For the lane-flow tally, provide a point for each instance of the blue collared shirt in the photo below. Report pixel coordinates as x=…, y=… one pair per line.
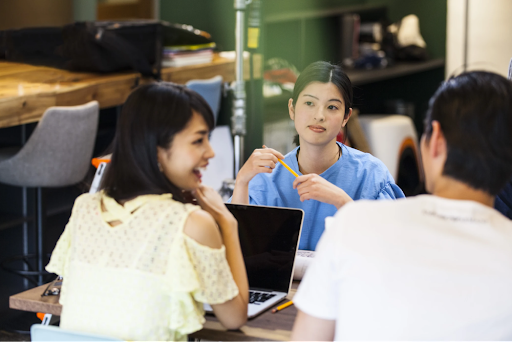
x=359, y=174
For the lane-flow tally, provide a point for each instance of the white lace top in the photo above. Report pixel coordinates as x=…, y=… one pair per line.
x=141, y=280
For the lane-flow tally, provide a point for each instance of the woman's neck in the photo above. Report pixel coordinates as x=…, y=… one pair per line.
x=317, y=159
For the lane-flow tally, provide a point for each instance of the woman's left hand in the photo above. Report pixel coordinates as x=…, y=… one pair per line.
x=312, y=186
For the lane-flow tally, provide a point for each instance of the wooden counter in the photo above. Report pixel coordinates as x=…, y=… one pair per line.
x=26, y=91
x=31, y=300
x=267, y=326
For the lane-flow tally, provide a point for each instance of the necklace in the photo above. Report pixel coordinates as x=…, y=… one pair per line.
x=298, y=151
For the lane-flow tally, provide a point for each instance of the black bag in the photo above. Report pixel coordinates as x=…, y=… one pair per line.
x=102, y=46
x=111, y=46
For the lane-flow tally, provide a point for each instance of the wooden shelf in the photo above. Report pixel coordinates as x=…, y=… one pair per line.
x=361, y=77
x=26, y=91
x=320, y=13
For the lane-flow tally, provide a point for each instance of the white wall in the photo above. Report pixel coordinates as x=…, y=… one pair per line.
x=489, y=36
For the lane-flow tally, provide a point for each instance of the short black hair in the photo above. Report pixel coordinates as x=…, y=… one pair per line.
x=151, y=116
x=474, y=110
x=324, y=72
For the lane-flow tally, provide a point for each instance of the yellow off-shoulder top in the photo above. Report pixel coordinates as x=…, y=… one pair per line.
x=143, y=279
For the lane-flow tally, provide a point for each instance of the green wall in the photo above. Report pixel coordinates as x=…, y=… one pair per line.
x=84, y=10
x=218, y=16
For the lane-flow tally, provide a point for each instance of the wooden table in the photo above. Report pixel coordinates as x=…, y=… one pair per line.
x=267, y=326
x=26, y=91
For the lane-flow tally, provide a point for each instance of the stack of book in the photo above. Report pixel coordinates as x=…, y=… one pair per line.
x=181, y=55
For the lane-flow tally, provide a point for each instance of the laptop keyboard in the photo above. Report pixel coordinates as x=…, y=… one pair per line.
x=259, y=297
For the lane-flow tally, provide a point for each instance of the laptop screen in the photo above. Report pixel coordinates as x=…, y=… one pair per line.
x=269, y=239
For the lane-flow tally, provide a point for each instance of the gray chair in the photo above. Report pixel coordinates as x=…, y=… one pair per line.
x=210, y=90
x=57, y=154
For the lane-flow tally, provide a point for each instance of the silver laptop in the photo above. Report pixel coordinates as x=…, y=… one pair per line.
x=269, y=237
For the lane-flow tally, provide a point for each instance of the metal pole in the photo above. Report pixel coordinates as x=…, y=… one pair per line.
x=466, y=38
x=238, y=118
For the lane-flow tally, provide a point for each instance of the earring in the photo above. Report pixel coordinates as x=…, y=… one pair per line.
x=160, y=167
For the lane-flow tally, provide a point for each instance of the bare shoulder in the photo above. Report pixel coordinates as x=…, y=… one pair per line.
x=201, y=227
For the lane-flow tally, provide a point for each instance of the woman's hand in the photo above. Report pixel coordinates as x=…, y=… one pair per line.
x=262, y=160
x=312, y=186
x=211, y=201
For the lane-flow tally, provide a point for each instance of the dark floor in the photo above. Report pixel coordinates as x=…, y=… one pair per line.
x=12, y=336
x=15, y=325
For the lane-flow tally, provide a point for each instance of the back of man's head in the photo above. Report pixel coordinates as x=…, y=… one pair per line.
x=474, y=110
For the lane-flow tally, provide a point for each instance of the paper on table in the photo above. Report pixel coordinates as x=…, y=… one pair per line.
x=302, y=261
x=304, y=258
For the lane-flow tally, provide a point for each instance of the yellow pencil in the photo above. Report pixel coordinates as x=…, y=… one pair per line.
x=281, y=307
x=289, y=168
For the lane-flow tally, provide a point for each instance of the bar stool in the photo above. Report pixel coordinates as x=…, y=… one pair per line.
x=57, y=154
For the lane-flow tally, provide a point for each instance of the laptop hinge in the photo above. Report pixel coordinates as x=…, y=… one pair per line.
x=260, y=289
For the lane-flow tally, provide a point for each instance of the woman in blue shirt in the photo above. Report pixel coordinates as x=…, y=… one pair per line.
x=330, y=174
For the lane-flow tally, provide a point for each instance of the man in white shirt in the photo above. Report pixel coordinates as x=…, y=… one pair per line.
x=430, y=267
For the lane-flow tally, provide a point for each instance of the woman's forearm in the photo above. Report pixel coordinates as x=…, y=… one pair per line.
x=342, y=199
x=240, y=193
x=229, y=229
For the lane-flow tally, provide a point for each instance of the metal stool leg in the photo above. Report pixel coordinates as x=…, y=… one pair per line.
x=39, y=234
x=24, y=231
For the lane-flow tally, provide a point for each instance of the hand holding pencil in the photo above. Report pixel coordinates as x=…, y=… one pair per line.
x=262, y=160
x=285, y=165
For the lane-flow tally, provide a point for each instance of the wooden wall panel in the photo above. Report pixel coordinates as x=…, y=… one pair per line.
x=34, y=13
x=142, y=9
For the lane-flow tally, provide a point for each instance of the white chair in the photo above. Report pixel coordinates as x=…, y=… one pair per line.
x=220, y=167
x=393, y=139
x=40, y=333
x=510, y=70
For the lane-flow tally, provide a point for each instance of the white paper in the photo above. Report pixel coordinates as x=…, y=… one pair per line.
x=302, y=261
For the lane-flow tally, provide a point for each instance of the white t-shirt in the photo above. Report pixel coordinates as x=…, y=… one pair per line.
x=422, y=268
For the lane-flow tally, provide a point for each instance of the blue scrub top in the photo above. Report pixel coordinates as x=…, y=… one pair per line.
x=359, y=174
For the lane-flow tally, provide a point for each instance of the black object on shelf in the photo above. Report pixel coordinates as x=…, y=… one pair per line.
x=98, y=46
